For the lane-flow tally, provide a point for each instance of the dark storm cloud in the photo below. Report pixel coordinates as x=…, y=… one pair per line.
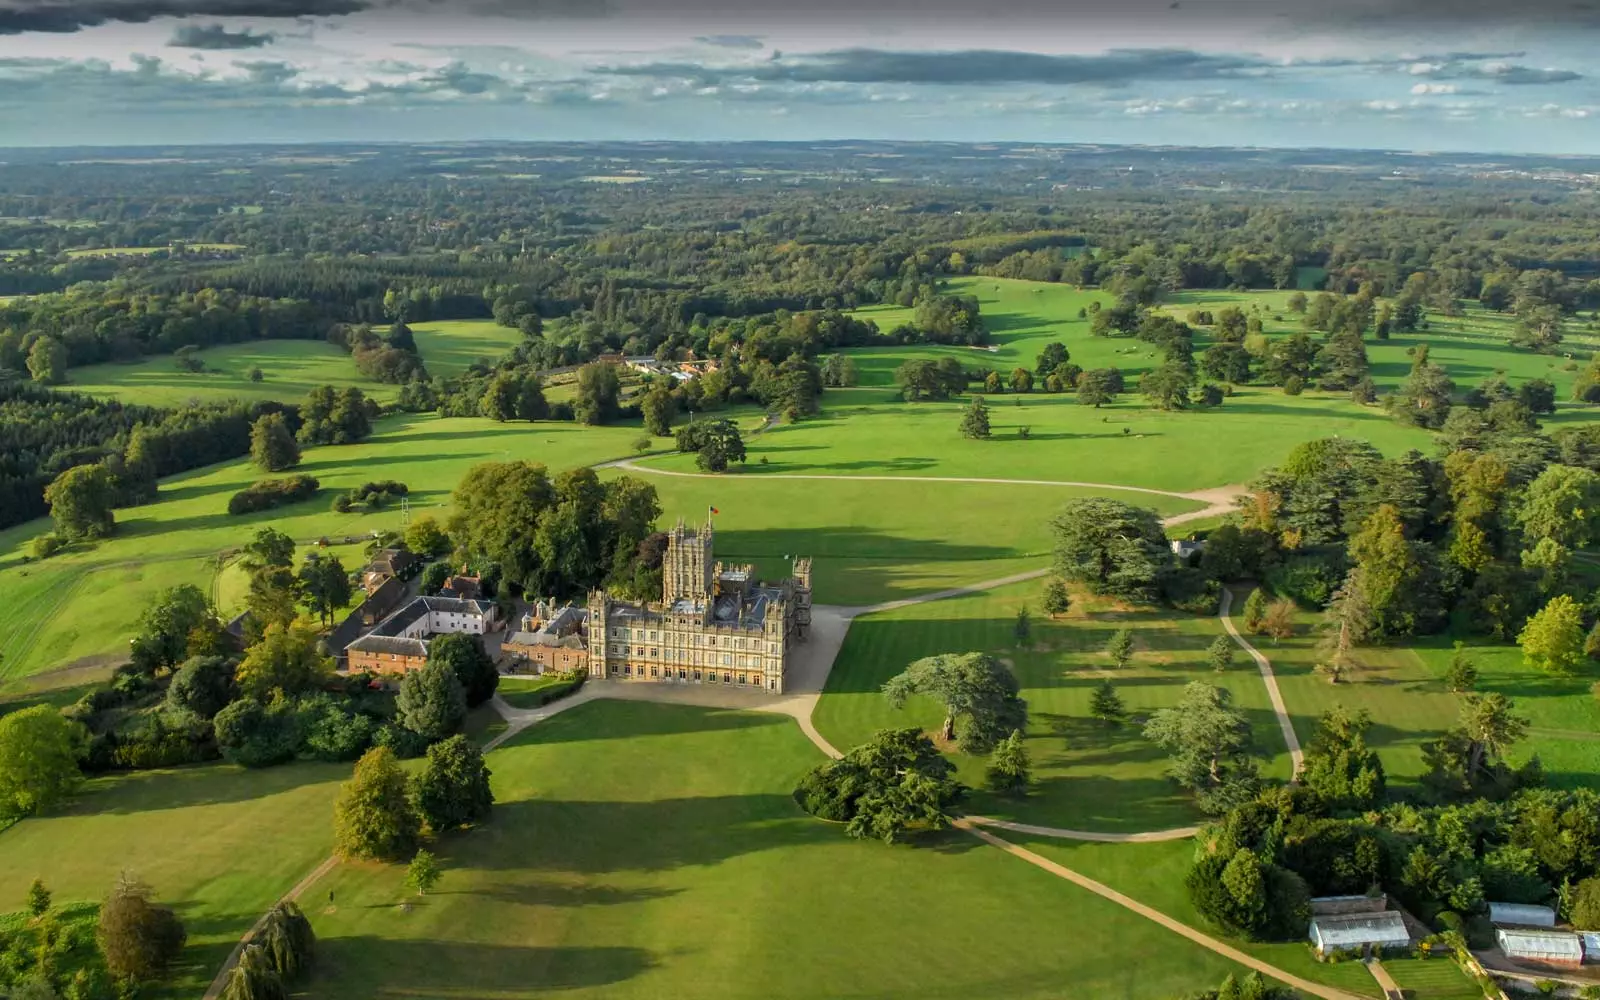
x=64, y=18
x=731, y=41
x=215, y=36
x=971, y=66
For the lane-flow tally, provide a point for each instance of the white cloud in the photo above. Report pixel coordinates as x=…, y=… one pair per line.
x=1434, y=88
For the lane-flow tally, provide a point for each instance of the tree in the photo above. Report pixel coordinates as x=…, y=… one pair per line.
x=452, y=790
x=423, y=872
x=253, y=977
x=38, y=898
x=1461, y=675
x=38, y=760
x=270, y=548
x=256, y=735
x=1255, y=611
x=1210, y=745
x=1563, y=505
x=1220, y=653
x=287, y=660
x=47, y=361
x=137, y=938
x=1586, y=905
x=1021, y=380
x=1279, y=620
x=1022, y=628
x=463, y=653
x=1394, y=581
x=717, y=444
x=975, y=421
x=167, y=625
x=373, y=818
x=1054, y=354
x=80, y=502
x=203, y=686
x=1009, y=770
x=1469, y=758
x=658, y=407
x=335, y=416
x=1552, y=640
x=432, y=702
x=1490, y=725
x=272, y=447
x=1120, y=647
x=1167, y=387
x=897, y=780
x=287, y=940
x=426, y=538
x=1099, y=386
x=1246, y=894
x=324, y=586
x=1339, y=766
x=976, y=690
x=1106, y=705
x=1056, y=600
x=599, y=385
x=1110, y=546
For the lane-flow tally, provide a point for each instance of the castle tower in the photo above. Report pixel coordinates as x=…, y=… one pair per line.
x=688, y=571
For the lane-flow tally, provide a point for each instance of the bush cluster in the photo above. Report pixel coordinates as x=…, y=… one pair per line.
x=369, y=496
x=265, y=494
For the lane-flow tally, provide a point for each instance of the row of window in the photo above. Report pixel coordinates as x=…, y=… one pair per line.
x=656, y=653
x=639, y=635
x=727, y=676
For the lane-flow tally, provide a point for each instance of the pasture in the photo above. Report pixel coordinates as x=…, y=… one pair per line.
x=448, y=347
x=642, y=850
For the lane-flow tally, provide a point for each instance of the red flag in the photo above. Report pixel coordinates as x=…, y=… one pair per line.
x=713, y=510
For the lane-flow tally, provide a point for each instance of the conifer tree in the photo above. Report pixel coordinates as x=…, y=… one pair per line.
x=975, y=422
x=1010, y=770
x=1106, y=705
x=1120, y=647
x=1056, y=599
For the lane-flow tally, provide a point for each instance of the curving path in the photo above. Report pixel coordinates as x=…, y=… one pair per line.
x=1149, y=913
x=1285, y=724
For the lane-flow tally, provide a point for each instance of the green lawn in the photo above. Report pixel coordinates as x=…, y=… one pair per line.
x=292, y=368
x=147, y=251
x=449, y=346
x=871, y=541
x=1087, y=776
x=215, y=842
x=642, y=850
x=1400, y=687
x=524, y=692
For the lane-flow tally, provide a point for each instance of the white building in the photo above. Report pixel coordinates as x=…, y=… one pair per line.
x=1521, y=915
x=1354, y=931
x=1557, y=948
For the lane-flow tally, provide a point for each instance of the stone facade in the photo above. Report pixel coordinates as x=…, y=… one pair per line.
x=715, y=623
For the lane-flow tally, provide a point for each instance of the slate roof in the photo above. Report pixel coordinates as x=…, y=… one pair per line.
x=1521, y=915
x=389, y=644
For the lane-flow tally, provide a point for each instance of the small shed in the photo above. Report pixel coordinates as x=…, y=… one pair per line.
x=1353, y=931
x=1561, y=949
x=1521, y=915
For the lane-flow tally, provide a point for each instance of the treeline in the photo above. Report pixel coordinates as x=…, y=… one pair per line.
x=44, y=432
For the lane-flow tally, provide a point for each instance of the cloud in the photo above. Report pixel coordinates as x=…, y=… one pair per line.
x=969, y=66
x=215, y=36
x=731, y=41
x=1434, y=88
x=64, y=18
x=1511, y=73
x=269, y=71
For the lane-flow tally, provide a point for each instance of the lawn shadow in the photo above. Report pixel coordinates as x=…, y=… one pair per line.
x=624, y=719
x=193, y=785
x=368, y=965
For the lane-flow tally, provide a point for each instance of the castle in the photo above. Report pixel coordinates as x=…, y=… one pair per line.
x=714, y=624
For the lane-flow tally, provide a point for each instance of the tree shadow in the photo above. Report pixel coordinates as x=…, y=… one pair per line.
x=368, y=965
x=623, y=719
x=554, y=894
x=594, y=838
x=194, y=785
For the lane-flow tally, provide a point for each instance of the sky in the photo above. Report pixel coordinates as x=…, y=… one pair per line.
x=1405, y=74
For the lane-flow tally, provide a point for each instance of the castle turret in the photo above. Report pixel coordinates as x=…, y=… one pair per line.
x=688, y=570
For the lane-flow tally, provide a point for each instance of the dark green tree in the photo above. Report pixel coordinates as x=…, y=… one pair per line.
x=464, y=654
x=1057, y=601
x=599, y=386
x=1339, y=765
x=1009, y=771
x=432, y=702
x=896, y=781
x=374, y=818
x=1106, y=705
x=1210, y=744
x=975, y=420
x=452, y=790
x=272, y=447
x=80, y=502
x=979, y=694
x=1110, y=546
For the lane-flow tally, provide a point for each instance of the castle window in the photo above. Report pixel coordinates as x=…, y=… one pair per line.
x=654, y=672
x=726, y=659
x=683, y=674
x=741, y=680
x=627, y=670
x=697, y=675
x=654, y=651
x=727, y=678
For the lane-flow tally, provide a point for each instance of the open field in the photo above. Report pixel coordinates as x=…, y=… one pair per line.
x=872, y=541
x=292, y=368
x=215, y=842
x=449, y=346
x=642, y=850
x=147, y=251
x=1087, y=776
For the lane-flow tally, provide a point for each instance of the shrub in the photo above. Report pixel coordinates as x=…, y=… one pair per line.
x=266, y=494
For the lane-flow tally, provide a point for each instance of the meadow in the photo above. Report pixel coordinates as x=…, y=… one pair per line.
x=642, y=850
x=290, y=369
x=1088, y=776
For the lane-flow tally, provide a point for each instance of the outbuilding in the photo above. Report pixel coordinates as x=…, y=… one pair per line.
x=1521, y=915
x=1335, y=932
x=1558, y=949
